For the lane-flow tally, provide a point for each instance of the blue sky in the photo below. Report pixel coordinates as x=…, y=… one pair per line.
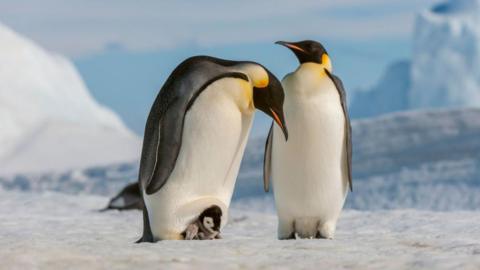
x=125, y=50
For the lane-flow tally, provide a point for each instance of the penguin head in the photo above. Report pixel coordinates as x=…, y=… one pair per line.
x=211, y=218
x=309, y=51
x=269, y=99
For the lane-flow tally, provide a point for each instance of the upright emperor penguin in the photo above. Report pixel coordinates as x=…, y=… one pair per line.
x=194, y=140
x=311, y=172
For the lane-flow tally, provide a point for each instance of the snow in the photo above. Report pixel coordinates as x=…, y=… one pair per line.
x=57, y=231
x=444, y=69
x=47, y=114
x=80, y=146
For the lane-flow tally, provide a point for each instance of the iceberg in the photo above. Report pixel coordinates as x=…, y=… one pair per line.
x=48, y=119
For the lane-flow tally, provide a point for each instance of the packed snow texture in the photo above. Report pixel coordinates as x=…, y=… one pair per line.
x=444, y=70
x=48, y=119
x=55, y=231
x=425, y=160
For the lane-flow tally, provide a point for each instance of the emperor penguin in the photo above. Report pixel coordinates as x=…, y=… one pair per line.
x=194, y=140
x=311, y=173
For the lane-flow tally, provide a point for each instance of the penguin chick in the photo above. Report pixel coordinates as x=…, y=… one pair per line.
x=206, y=226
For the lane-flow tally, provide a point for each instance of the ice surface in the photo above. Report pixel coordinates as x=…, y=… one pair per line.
x=55, y=231
x=48, y=119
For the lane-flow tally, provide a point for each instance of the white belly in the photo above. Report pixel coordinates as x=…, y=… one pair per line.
x=309, y=172
x=214, y=137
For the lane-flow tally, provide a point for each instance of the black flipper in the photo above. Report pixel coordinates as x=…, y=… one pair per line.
x=343, y=98
x=129, y=198
x=267, y=160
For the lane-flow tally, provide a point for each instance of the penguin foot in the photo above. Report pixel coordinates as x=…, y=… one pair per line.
x=326, y=231
x=292, y=236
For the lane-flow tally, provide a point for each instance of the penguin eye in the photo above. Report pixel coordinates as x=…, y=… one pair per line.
x=208, y=221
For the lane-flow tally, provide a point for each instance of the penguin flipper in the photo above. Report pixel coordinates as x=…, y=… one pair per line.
x=267, y=160
x=343, y=98
x=129, y=198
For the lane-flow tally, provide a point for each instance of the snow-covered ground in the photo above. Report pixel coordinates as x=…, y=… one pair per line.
x=55, y=231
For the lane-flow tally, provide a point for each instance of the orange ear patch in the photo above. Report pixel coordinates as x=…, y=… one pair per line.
x=262, y=83
x=326, y=62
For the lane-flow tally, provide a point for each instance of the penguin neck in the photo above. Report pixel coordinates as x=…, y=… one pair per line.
x=244, y=98
x=306, y=80
x=238, y=91
x=311, y=71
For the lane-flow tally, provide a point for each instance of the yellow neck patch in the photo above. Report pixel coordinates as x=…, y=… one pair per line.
x=326, y=63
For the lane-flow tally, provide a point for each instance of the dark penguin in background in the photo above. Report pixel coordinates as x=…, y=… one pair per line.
x=195, y=137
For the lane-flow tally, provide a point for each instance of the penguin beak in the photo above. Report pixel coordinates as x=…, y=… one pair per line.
x=279, y=118
x=302, y=53
x=270, y=101
x=291, y=46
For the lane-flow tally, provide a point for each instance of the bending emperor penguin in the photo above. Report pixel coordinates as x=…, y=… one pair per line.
x=194, y=140
x=312, y=171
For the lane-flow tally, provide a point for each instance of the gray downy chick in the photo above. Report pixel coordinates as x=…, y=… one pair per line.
x=206, y=227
